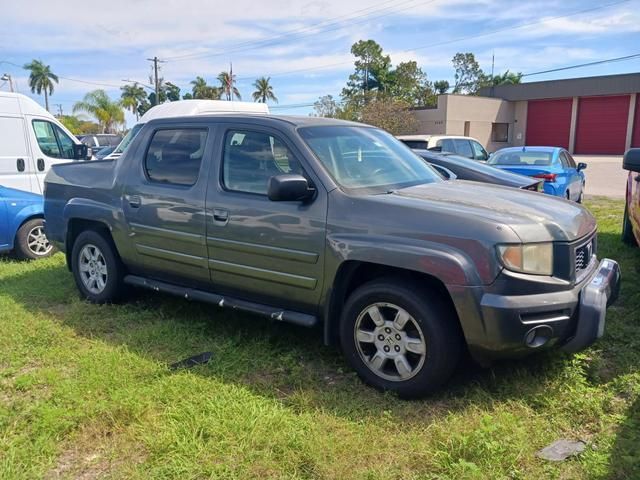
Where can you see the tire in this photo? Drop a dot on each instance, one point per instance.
(96, 267)
(373, 344)
(627, 229)
(31, 242)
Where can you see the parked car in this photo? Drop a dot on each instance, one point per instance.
(98, 141)
(21, 224)
(562, 177)
(320, 221)
(464, 146)
(31, 140)
(104, 152)
(185, 108)
(463, 168)
(631, 222)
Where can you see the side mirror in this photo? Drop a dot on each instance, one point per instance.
(581, 166)
(80, 152)
(631, 160)
(444, 172)
(288, 188)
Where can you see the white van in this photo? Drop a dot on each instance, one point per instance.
(184, 108)
(31, 140)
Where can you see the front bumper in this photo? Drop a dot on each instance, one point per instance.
(573, 319)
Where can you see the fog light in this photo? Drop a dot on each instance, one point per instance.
(538, 336)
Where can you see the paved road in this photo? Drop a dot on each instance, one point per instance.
(605, 175)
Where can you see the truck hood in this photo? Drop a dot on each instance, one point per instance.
(534, 217)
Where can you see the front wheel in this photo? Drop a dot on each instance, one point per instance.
(399, 338)
(31, 242)
(97, 269)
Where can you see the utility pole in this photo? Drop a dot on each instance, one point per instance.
(155, 61)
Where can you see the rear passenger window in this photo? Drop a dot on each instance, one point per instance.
(446, 145)
(252, 158)
(463, 147)
(174, 155)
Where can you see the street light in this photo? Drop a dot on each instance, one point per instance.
(7, 78)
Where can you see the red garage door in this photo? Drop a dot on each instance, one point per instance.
(635, 140)
(549, 122)
(602, 125)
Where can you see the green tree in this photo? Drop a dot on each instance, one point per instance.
(41, 79)
(228, 84)
(77, 126)
(132, 97)
(441, 87)
(264, 90)
(172, 92)
(408, 83)
(468, 74)
(187, 96)
(107, 112)
(372, 69)
(326, 106)
(507, 78)
(201, 90)
(391, 115)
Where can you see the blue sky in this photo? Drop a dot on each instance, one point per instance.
(304, 45)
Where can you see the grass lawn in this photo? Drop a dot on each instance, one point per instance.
(85, 392)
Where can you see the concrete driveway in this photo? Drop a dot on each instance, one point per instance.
(605, 176)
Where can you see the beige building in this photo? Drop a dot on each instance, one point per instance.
(592, 115)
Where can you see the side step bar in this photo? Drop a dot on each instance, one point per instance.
(289, 316)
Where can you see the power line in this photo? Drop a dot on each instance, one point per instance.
(581, 65)
(551, 70)
(334, 25)
(286, 33)
(458, 39)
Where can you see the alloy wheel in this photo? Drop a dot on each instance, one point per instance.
(390, 342)
(37, 242)
(93, 269)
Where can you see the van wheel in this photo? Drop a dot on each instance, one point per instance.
(96, 267)
(399, 338)
(31, 242)
(627, 229)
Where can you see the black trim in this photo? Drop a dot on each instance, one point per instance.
(274, 313)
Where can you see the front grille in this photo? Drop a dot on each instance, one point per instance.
(583, 256)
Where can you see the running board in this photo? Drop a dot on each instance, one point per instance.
(289, 316)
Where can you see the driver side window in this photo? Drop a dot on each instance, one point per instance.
(250, 158)
(52, 140)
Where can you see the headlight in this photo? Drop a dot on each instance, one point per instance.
(535, 258)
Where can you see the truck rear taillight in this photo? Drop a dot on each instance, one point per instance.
(547, 177)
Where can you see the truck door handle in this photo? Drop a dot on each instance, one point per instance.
(20, 164)
(221, 216)
(40, 165)
(134, 201)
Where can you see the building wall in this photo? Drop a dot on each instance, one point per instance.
(454, 111)
(519, 123)
(433, 120)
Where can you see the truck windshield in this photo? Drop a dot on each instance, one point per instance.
(128, 137)
(367, 158)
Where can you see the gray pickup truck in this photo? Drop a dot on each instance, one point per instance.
(323, 222)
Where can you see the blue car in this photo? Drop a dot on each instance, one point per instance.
(562, 177)
(21, 224)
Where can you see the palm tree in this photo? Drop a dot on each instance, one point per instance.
(132, 97)
(264, 90)
(200, 89)
(98, 104)
(41, 79)
(228, 84)
(507, 78)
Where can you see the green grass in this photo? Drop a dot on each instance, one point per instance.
(85, 392)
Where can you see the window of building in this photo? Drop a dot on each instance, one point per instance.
(174, 155)
(252, 158)
(500, 132)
